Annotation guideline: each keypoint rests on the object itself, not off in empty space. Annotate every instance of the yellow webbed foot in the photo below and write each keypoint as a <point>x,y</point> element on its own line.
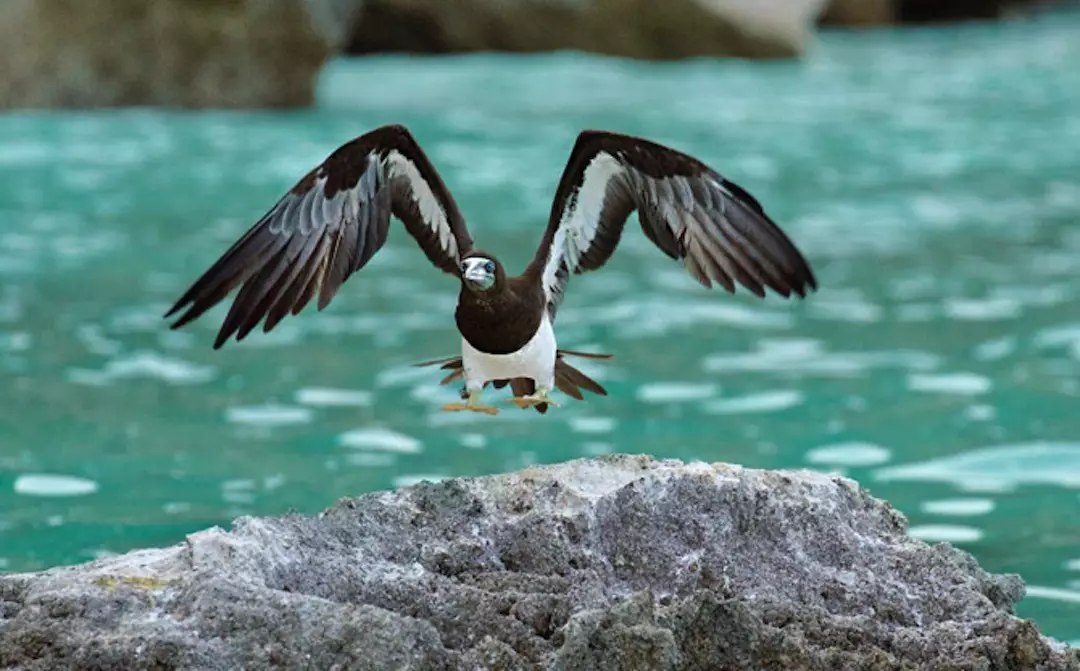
<point>474,407</point>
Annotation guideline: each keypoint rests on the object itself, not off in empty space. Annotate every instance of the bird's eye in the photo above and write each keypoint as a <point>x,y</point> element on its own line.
<point>489,266</point>
<point>464,267</point>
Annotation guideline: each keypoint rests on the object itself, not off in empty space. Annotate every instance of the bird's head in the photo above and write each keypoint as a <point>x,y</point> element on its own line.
<point>480,272</point>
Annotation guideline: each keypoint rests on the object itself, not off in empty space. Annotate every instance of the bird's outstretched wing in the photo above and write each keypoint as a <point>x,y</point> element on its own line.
<point>327,227</point>
<point>693,214</point>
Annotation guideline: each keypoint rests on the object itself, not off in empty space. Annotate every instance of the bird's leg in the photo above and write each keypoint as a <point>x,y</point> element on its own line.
<point>472,403</point>
<point>542,395</point>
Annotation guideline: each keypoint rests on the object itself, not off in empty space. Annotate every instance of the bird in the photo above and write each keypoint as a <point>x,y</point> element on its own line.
<point>338,216</point>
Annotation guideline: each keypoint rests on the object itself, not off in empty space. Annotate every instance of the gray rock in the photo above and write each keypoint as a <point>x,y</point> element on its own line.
<point>176,53</point>
<point>613,563</point>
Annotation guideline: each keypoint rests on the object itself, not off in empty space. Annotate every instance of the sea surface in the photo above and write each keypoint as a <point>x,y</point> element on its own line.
<point>931,176</point>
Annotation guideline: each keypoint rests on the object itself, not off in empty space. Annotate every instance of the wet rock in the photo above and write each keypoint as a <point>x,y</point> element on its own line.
<point>175,53</point>
<point>631,28</point>
<point>620,562</point>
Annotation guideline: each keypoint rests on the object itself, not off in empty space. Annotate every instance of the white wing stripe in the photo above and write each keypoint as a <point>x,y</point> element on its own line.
<point>581,219</point>
<point>430,210</point>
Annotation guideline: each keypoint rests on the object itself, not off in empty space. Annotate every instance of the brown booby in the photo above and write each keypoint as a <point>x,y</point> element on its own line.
<point>334,219</point>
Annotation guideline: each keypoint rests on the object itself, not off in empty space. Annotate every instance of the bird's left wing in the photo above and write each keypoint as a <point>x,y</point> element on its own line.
<point>693,214</point>
<point>327,227</point>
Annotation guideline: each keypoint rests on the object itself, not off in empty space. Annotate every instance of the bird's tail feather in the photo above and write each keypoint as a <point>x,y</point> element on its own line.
<point>568,380</point>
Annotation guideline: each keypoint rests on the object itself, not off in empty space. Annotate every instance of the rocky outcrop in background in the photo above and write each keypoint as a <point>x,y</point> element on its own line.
<point>614,563</point>
<point>174,53</point>
<point>268,53</point>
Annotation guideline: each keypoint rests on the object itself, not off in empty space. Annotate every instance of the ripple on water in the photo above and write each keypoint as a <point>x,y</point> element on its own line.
<point>995,350</point>
<point>648,316</point>
<point>850,454</point>
<point>959,384</point>
<point>47,484</point>
<point>946,533</point>
<point>380,439</point>
<point>761,402</point>
<point>965,507</point>
<point>473,441</point>
<point>15,342</point>
<point>990,309</point>
<point>146,365</point>
<point>269,414</point>
<point>327,397</point>
<point>809,357</point>
<point>996,469</point>
<point>592,424</point>
<point>675,392</point>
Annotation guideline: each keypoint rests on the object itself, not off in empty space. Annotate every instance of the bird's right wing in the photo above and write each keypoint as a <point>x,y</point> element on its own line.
<point>327,227</point>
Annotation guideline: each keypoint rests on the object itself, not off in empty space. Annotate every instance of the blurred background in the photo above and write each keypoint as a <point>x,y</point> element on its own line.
<point>922,154</point>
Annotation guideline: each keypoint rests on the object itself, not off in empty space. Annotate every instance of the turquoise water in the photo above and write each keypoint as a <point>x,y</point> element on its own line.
<point>931,176</point>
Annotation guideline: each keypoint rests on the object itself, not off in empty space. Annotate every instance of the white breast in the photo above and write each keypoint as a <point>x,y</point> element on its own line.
<point>535,360</point>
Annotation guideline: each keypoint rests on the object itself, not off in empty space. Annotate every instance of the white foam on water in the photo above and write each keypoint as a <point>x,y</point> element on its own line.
<point>1052,593</point>
<point>370,459</point>
<point>17,341</point>
<point>675,392</point>
<point>407,374</point>
<point>809,357</point>
<point>996,469</point>
<point>980,412</point>
<point>995,350</point>
<point>4,563</point>
<point>856,311</point>
<point>966,507</point>
<point>410,480</point>
<point>47,484</point>
<point>990,309</point>
<point>761,402</point>
<point>946,533</point>
<point>960,384</point>
<point>380,439</point>
<point>596,448</point>
<point>1073,564</point>
<point>652,315</point>
<point>1058,336</point>
<point>473,441</point>
<point>592,424</point>
<point>145,365</point>
<point>176,508</point>
<point>269,414</point>
<point>329,397</point>
<point>850,454</point>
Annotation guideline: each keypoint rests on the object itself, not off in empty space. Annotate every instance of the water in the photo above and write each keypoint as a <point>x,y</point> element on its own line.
<point>930,176</point>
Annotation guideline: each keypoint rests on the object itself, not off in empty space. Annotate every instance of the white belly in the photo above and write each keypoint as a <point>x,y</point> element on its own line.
<point>536,360</point>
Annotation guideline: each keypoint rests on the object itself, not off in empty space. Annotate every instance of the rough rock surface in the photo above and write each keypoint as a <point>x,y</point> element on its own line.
<point>176,53</point>
<point>614,563</point>
<point>632,28</point>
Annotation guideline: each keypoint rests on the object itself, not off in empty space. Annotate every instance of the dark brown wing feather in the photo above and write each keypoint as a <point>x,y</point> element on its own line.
<point>690,212</point>
<point>327,227</point>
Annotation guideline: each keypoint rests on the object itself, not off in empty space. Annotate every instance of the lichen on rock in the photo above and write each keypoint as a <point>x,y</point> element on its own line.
<point>620,562</point>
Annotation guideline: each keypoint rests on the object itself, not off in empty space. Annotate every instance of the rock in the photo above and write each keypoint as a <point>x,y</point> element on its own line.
<point>176,53</point>
<point>614,563</point>
<point>855,13</point>
<point>631,28</point>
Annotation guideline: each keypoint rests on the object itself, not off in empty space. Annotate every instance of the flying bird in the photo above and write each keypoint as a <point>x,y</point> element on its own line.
<point>331,223</point>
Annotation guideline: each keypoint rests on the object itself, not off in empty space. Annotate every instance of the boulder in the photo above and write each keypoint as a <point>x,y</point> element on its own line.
<point>856,13</point>
<point>622,562</point>
<point>173,53</point>
<point>631,28</point>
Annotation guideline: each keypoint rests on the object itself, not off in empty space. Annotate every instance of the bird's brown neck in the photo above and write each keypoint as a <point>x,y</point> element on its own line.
<point>502,320</point>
